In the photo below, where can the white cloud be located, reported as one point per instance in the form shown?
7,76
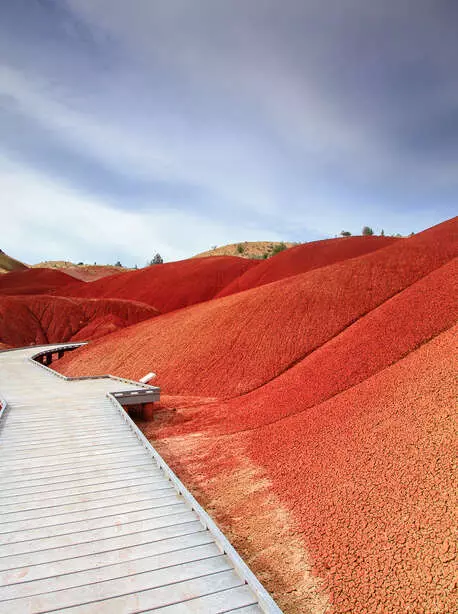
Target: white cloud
46,221
216,97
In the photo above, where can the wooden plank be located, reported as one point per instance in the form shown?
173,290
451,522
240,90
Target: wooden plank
94,563
43,493
161,596
81,537
57,482
110,572
115,520
110,589
82,460
68,455
83,434
107,493
139,456
41,425
94,547
11,450
63,475
138,493
88,515
239,599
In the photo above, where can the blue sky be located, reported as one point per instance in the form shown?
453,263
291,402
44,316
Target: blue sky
128,128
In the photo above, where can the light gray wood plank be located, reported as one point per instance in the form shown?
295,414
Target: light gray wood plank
140,493
87,515
94,547
161,596
82,467
43,493
109,589
110,572
9,487
83,537
75,527
230,600
98,561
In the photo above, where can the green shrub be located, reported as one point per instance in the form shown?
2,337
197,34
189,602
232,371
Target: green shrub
280,247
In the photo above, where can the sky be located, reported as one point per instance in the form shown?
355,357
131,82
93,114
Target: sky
170,126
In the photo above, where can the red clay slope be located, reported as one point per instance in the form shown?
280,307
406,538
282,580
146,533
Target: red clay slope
371,479
167,286
28,320
306,257
234,344
33,281
372,343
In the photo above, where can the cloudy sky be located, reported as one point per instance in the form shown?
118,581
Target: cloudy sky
128,128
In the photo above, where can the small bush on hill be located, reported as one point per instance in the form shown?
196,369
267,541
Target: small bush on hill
280,247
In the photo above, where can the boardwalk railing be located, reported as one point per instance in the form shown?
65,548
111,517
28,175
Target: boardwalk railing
262,601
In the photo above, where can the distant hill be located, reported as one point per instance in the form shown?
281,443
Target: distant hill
247,249
8,264
85,272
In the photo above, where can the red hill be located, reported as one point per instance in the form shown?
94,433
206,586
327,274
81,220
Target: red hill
235,344
49,319
167,286
373,343
364,481
306,257
311,413
33,281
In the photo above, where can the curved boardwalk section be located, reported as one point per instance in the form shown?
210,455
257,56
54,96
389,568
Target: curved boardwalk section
91,518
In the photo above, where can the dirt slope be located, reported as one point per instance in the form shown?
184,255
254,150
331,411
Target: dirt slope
167,286
46,319
84,272
33,281
245,249
306,257
313,416
229,346
8,264
374,342
364,483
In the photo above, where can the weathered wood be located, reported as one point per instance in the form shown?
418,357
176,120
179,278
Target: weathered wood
91,518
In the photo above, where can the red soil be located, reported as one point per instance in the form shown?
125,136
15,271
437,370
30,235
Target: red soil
344,433
92,272
306,257
235,344
167,286
33,281
369,475
371,344
47,319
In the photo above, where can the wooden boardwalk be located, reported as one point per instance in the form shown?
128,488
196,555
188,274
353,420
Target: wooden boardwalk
92,520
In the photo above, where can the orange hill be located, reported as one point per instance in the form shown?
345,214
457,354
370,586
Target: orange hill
33,281
235,344
167,286
305,257
312,415
48,319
